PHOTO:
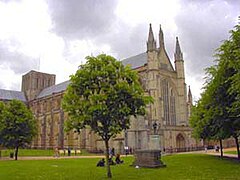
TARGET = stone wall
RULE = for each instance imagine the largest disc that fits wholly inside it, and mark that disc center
(50, 119)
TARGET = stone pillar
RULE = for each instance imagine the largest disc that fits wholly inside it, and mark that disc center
(44, 132)
(61, 130)
(154, 142)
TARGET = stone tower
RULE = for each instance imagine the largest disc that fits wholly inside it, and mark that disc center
(181, 86)
(190, 101)
(152, 71)
(34, 82)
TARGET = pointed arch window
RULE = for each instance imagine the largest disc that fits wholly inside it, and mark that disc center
(169, 103)
(165, 97)
(172, 108)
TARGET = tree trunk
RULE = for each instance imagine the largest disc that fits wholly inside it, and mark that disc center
(237, 145)
(109, 174)
(221, 148)
(16, 153)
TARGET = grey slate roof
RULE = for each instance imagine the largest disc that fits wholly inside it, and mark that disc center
(136, 61)
(10, 95)
(54, 89)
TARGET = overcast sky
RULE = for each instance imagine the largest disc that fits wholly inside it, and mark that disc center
(54, 36)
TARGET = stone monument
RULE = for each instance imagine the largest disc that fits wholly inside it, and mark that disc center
(154, 139)
(150, 157)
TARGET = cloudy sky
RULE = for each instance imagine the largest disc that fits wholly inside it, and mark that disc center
(54, 36)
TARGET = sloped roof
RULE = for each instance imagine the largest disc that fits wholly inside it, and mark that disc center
(136, 61)
(10, 95)
(54, 89)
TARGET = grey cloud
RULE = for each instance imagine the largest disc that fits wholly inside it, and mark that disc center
(96, 20)
(128, 41)
(202, 26)
(1, 85)
(7, 1)
(76, 19)
(15, 60)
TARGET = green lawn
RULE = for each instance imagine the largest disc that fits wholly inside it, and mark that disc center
(179, 167)
(28, 152)
(38, 152)
(230, 152)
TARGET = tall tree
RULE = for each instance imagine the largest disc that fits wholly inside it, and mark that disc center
(207, 118)
(3, 112)
(103, 95)
(17, 125)
(219, 104)
(228, 56)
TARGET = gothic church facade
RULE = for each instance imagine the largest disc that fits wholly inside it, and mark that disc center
(171, 108)
(169, 113)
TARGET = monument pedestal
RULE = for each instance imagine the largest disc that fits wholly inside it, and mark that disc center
(148, 158)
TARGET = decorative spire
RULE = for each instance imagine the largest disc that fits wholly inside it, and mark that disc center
(151, 43)
(150, 34)
(189, 95)
(161, 39)
(178, 53)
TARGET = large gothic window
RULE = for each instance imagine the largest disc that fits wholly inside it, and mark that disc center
(168, 97)
(165, 98)
(172, 108)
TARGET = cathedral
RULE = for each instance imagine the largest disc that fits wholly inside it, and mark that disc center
(167, 117)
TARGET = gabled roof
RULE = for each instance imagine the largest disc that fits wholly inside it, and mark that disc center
(136, 61)
(54, 89)
(167, 60)
(10, 95)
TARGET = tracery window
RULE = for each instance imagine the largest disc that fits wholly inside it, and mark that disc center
(165, 97)
(169, 103)
(172, 108)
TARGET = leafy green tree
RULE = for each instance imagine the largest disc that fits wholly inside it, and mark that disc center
(229, 70)
(216, 115)
(103, 95)
(17, 125)
(207, 120)
(3, 112)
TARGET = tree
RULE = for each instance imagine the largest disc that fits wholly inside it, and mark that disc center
(3, 112)
(103, 95)
(229, 69)
(17, 125)
(207, 119)
(219, 104)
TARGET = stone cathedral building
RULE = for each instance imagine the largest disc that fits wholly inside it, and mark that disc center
(168, 114)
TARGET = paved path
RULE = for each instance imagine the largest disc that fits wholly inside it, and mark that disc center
(50, 157)
(214, 153)
(210, 152)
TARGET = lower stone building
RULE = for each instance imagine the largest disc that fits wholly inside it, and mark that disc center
(167, 117)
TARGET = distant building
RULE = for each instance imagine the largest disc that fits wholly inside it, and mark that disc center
(168, 116)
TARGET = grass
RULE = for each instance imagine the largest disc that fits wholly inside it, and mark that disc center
(230, 152)
(38, 152)
(180, 167)
(27, 152)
